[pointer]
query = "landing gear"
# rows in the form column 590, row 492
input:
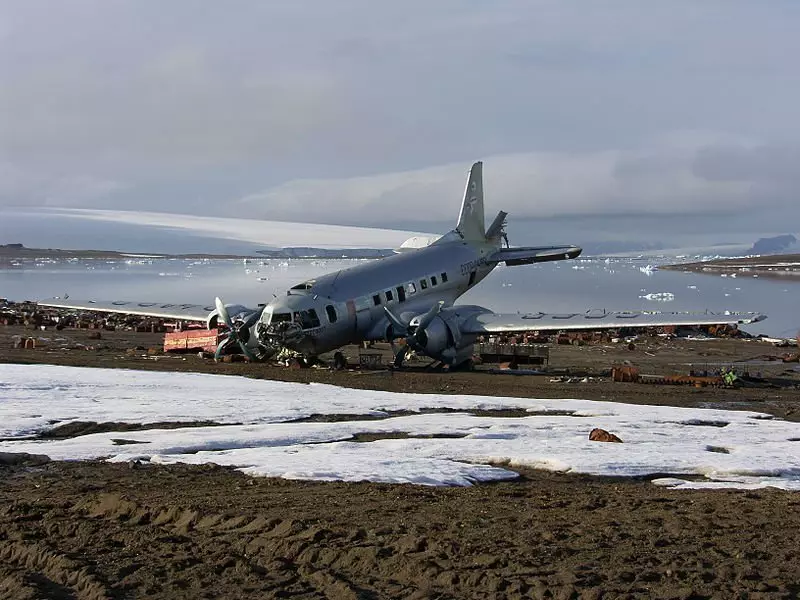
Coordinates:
column 467, row 365
column 399, row 358
column 339, row 362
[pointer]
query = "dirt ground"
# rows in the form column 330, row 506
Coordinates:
column 97, row 530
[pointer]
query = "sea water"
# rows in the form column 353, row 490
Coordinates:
column 567, row 286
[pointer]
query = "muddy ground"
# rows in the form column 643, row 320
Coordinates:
column 95, row 530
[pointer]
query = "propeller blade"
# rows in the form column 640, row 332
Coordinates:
column 220, row 348
column 223, row 313
column 429, row 316
column 245, row 350
column 252, row 319
column 400, row 356
column 400, row 328
column 234, row 334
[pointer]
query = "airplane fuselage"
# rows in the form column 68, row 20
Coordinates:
column 348, row 306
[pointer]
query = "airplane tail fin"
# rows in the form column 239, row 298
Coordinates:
column 471, row 224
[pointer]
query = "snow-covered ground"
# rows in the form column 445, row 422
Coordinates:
column 725, row 448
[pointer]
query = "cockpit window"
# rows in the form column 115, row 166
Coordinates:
column 309, row 319
column 306, row 285
column 281, row 317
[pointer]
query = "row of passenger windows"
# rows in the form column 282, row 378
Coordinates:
column 408, row 289
column 308, row 319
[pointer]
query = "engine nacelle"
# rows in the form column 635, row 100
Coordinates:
column 442, row 338
column 433, row 340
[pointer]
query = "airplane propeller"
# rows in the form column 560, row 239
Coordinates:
column 415, row 335
column 236, row 333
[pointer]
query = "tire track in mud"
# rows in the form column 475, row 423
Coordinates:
column 46, row 569
column 193, row 532
column 289, row 555
column 304, row 557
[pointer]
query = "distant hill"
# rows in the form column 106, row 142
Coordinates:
column 327, row 253
column 774, row 245
column 775, row 266
column 19, row 251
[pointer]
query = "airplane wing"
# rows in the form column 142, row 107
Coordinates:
column 534, row 254
column 183, row 312
column 499, row 322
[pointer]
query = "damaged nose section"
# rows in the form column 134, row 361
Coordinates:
column 283, row 334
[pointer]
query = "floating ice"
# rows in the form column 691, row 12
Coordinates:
column 648, row 270
column 659, row 296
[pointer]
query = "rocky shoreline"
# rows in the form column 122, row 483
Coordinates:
column 779, row 266
column 18, row 252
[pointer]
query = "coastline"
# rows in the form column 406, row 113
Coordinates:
column 775, row 265
column 15, row 252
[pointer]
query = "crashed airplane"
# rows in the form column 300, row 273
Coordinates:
column 409, row 295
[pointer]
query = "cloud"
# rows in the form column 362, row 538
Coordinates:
column 689, row 175
column 176, row 110
column 24, row 187
column 185, row 106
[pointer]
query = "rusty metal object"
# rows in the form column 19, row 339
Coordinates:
column 516, row 354
column 694, row 380
column 192, row 340
column 624, row 374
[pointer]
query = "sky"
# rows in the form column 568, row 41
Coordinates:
column 363, row 113
column 259, row 432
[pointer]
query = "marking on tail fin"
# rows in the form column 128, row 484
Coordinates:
column 470, row 221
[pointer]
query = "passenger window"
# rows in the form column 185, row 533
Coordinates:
column 331, row 311
column 423, row 284
column 444, row 277
column 376, row 299
column 411, row 288
column 433, row 279
column 389, row 296
column 401, row 294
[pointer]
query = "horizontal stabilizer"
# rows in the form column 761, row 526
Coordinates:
column 526, row 256
column 499, row 323
column 496, row 228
